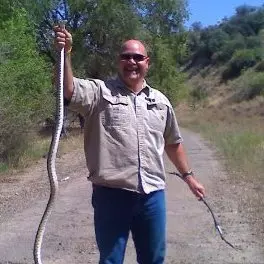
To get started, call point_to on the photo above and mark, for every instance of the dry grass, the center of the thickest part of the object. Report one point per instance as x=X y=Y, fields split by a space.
x=39 y=148
x=240 y=142
x=236 y=129
x=72 y=142
x=240 y=139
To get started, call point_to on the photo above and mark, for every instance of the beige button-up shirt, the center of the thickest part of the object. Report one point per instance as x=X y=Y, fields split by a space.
x=125 y=133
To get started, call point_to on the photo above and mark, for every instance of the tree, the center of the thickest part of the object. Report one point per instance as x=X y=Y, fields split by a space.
x=216 y=44
x=25 y=86
x=164 y=74
x=99 y=27
x=245 y=10
x=162 y=17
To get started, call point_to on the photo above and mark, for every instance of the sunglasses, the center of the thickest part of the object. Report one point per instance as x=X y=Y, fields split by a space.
x=135 y=57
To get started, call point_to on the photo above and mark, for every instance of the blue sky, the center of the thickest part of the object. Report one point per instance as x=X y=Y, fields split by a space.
x=209 y=12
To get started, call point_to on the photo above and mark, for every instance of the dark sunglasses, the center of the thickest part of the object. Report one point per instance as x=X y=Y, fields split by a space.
x=135 y=57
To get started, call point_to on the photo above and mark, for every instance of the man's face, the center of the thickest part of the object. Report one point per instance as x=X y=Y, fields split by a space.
x=133 y=63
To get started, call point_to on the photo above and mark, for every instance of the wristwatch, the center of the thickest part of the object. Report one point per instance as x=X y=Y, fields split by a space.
x=186 y=174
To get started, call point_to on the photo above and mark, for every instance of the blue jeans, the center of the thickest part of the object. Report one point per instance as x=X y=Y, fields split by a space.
x=116 y=212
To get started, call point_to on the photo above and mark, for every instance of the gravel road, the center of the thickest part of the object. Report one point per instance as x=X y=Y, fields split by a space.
x=69 y=237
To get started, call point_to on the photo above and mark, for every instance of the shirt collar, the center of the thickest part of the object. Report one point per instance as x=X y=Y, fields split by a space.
x=120 y=84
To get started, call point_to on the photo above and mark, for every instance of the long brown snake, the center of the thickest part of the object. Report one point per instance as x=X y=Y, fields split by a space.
x=51 y=160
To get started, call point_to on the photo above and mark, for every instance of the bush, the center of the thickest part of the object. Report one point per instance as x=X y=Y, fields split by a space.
x=229 y=48
x=248 y=86
x=260 y=66
x=164 y=74
x=241 y=60
x=13 y=137
x=25 y=89
x=245 y=58
x=199 y=93
x=253 y=42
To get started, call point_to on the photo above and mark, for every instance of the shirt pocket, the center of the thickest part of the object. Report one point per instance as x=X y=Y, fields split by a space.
x=115 y=111
x=157 y=115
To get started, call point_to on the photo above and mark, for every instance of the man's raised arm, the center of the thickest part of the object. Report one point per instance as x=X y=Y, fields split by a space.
x=63 y=39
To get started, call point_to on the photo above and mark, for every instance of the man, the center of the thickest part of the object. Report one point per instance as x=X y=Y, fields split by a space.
x=81 y=122
x=128 y=125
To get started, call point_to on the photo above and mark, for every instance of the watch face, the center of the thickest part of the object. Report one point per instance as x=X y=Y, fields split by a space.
x=189 y=173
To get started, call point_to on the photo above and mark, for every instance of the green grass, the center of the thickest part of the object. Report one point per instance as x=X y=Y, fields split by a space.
x=3 y=167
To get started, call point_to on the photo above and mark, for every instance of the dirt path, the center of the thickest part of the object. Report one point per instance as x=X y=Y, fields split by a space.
x=69 y=237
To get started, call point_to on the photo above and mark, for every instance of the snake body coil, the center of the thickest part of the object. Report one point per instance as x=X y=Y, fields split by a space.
x=51 y=162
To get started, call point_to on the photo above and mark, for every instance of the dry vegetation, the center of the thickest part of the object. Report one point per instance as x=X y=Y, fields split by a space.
x=39 y=147
x=237 y=131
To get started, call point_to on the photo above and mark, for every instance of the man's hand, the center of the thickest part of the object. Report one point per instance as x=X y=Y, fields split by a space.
x=63 y=39
x=197 y=188
x=177 y=155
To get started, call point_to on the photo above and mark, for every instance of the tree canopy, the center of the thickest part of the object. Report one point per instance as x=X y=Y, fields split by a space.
x=219 y=43
x=27 y=56
x=25 y=84
x=98 y=28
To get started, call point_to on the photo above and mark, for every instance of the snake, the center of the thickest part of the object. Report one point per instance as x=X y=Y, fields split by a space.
x=51 y=158
x=216 y=223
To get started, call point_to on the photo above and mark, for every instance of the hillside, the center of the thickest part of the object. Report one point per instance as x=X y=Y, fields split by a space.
x=225 y=63
x=240 y=97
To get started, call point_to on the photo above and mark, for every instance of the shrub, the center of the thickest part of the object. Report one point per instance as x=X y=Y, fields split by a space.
x=229 y=48
x=248 y=86
x=245 y=58
x=164 y=74
x=260 y=66
x=241 y=60
x=199 y=93
x=25 y=89
x=13 y=137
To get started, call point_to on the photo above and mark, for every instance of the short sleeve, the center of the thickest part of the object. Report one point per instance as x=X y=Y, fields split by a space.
x=86 y=94
x=172 y=133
